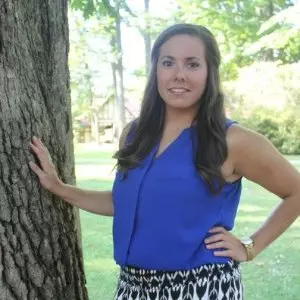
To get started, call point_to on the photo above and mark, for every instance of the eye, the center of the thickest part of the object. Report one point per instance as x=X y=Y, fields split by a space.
x=167 y=63
x=194 y=65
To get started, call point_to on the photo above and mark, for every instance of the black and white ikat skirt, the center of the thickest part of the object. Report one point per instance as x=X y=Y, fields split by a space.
x=208 y=282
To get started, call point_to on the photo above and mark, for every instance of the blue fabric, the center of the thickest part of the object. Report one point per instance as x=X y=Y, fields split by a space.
x=163 y=211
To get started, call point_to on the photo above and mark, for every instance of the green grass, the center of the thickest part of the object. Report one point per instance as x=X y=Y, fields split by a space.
x=273 y=275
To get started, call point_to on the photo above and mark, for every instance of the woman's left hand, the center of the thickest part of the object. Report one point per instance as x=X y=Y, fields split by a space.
x=232 y=246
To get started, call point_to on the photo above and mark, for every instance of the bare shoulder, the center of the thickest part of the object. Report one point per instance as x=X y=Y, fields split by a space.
x=246 y=146
x=254 y=157
x=124 y=133
x=238 y=135
x=245 y=143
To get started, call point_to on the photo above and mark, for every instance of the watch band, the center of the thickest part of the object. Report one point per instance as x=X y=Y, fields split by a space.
x=248 y=243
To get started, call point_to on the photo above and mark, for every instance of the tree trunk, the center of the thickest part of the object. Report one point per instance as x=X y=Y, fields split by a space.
x=119 y=75
x=146 y=36
x=90 y=100
x=40 y=253
x=95 y=126
x=270 y=13
x=116 y=125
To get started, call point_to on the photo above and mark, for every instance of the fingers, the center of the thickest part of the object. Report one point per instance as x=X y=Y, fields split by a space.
x=231 y=245
x=221 y=239
x=34 y=148
x=227 y=253
x=215 y=238
x=218 y=245
x=37 y=142
x=218 y=229
x=34 y=167
x=37 y=145
x=41 y=152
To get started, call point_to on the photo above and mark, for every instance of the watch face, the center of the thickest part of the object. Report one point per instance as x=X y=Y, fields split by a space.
x=247 y=241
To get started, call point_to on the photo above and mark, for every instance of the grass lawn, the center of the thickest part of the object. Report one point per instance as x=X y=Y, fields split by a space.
x=274 y=275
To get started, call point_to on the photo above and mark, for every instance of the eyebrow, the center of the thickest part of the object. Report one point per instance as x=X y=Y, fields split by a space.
x=188 y=58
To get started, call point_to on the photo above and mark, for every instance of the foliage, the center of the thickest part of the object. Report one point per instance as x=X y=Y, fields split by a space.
x=89 y=63
x=265 y=97
x=106 y=13
x=235 y=23
x=265 y=83
x=99 y=7
x=281 y=33
x=281 y=128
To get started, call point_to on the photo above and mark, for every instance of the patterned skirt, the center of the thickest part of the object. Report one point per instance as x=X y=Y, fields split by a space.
x=208 y=282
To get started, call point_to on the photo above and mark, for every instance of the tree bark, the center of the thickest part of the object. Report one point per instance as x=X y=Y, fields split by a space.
x=40 y=252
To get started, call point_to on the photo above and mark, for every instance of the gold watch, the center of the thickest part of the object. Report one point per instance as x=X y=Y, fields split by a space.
x=248 y=243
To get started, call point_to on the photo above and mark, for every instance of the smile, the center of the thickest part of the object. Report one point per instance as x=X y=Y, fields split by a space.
x=178 y=91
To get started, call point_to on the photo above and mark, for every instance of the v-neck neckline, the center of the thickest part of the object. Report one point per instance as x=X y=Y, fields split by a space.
x=156 y=157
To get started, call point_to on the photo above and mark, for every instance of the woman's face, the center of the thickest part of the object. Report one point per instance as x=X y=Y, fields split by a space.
x=182 y=71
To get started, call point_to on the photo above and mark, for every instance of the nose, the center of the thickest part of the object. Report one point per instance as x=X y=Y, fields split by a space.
x=180 y=74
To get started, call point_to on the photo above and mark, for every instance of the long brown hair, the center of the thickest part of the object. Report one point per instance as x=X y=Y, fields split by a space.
x=209 y=121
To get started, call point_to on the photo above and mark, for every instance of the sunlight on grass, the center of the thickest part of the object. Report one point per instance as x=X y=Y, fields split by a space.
x=297 y=225
x=251 y=218
x=250 y=208
x=95 y=171
x=100 y=264
x=94 y=184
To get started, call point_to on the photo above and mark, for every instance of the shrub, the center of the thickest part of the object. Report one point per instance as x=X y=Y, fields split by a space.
x=281 y=128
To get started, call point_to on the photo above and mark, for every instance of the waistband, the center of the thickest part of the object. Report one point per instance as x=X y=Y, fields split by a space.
x=158 y=278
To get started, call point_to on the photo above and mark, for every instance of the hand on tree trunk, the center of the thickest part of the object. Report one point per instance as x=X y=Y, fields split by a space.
x=46 y=172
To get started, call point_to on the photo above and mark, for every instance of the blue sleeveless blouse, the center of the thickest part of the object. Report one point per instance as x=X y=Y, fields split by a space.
x=164 y=209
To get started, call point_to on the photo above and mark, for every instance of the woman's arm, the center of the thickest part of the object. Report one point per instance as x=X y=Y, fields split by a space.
x=256 y=159
x=98 y=202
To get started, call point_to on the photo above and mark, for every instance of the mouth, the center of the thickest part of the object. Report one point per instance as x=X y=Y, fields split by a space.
x=178 y=91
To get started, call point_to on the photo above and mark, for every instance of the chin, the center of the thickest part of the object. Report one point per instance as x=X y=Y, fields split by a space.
x=180 y=104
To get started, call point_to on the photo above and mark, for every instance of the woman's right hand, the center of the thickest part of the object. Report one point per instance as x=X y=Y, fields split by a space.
x=47 y=173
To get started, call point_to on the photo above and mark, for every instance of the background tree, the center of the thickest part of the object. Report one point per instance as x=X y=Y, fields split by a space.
x=109 y=13
x=40 y=253
x=89 y=62
x=146 y=36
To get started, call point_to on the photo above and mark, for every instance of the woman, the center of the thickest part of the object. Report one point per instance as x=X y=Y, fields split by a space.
x=178 y=184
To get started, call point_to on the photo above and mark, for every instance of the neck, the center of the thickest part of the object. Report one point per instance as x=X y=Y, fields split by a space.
x=179 y=118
